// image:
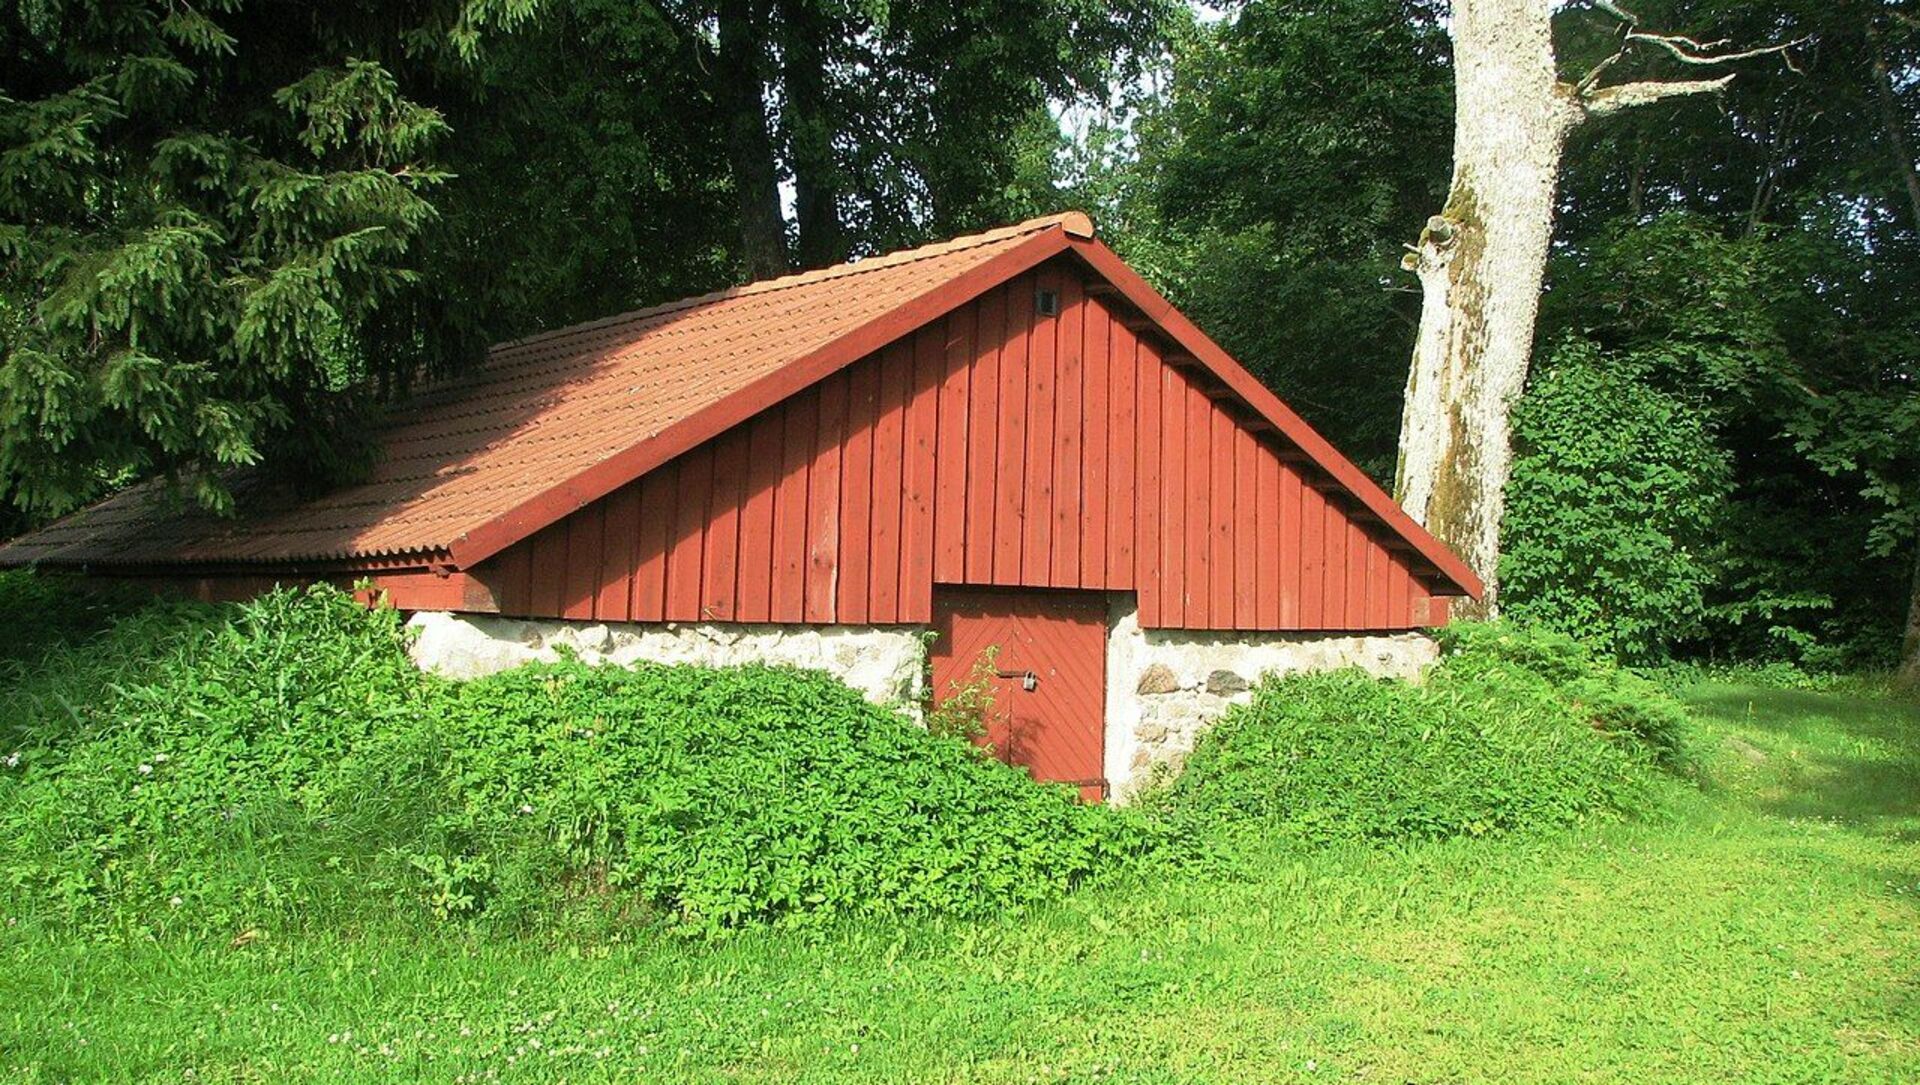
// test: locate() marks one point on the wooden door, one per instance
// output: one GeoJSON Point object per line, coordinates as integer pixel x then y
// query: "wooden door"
{"type": "Point", "coordinates": [1049, 676]}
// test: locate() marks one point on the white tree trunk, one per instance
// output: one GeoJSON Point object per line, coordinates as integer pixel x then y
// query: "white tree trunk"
{"type": "Point", "coordinates": [1481, 263]}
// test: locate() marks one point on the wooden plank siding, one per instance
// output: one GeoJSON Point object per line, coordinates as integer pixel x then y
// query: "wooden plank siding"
{"type": "Point", "coordinates": [996, 446]}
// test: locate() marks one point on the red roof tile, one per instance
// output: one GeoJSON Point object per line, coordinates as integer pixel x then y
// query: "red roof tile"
{"type": "Point", "coordinates": [537, 412]}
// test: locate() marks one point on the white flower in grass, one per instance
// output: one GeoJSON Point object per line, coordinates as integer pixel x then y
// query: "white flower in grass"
{"type": "Point", "coordinates": [13, 759]}
{"type": "Point", "coordinates": [176, 901]}
{"type": "Point", "coordinates": [146, 769]}
{"type": "Point", "coordinates": [526, 808]}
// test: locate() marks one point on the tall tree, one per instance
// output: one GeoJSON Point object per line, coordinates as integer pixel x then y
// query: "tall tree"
{"type": "Point", "coordinates": [892, 122]}
{"type": "Point", "coordinates": [1276, 178]}
{"type": "Point", "coordinates": [210, 232]}
{"type": "Point", "coordinates": [1482, 260]}
{"type": "Point", "coordinates": [1895, 121]}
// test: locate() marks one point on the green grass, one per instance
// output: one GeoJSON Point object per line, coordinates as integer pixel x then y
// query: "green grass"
{"type": "Point", "coordinates": [1765, 928]}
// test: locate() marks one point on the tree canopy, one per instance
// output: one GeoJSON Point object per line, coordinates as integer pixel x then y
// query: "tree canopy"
{"type": "Point", "coordinates": [230, 231]}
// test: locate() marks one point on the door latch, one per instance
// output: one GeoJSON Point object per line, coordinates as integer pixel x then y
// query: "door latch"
{"type": "Point", "coordinates": [1029, 681]}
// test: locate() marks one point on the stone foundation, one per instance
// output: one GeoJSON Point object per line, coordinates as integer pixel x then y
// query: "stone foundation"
{"type": "Point", "coordinates": [1165, 687]}
{"type": "Point", "coordinates": [883, 663]}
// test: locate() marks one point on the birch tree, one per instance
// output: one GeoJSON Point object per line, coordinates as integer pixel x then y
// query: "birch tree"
{"type": "Point", "coordinates": [1482, 259]}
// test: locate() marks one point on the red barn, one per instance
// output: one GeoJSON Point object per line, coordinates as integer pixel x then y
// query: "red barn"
{"type": "Point", "coordinates": [1008, 439]}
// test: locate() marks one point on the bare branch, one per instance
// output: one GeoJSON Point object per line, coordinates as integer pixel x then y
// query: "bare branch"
{"type": "Point", "coordinates": [1626, 96]}
{"type": "Point", "coordinates": [1586, 83]}
{"type": "Point", "coordinates": [1688, 51]}
{"type": "Point", "coordinates": [1596, 101]}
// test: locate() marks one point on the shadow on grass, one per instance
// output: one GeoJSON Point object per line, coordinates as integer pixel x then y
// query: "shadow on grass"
{"type": "Point", "coordinates": [1840, 757]}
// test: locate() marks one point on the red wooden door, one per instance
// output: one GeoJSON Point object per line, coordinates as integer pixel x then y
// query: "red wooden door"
{"type": "Point", "coordinates": [1049, 681]}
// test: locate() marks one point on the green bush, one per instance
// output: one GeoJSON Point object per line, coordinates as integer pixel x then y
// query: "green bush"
{"type": "Point", "coordinates": [750, 793]}
{"type": "Point", "coordinates": [196, 764]}
{"type": "Point", "coordinates": [1616, 509]}
{"type": "Point", "coordinates": [1633, 711]}
{"type": "Point", "coordinates": [1509, 731]}
{"type": "Point", "coordinates": [282, 762]}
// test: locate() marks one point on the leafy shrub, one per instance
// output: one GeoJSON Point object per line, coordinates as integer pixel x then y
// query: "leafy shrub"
{"type": "Point", "coordinates": [1615, 508]}
{"type": "Point", "coordinates": [1510, 731]}
{"type": "Point", "coordinates": [198, 762]}
{"type": "Point", "coordinates": [283, 761]}
{"type": "Point", "coordinates": [1620, 704]}
{"type": "Point", "coordinates": [751, 793]}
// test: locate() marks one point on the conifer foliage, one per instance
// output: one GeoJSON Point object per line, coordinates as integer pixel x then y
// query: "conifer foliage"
{"type": "Point", "coordinates": [210, 219]}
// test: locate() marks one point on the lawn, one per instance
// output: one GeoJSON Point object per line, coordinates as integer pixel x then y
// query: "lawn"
{"type": "Point", "coordinates": [1765, 928]}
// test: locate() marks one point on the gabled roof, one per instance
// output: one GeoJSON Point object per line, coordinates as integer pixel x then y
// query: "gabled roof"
{"type": "Point", "coordinates": [550, 423]}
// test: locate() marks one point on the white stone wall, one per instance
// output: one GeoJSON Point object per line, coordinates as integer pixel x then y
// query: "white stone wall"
{"type": "Point", "coordinates": [883, 663]}
{"type": "Point", "coordinates": [1165, 687]}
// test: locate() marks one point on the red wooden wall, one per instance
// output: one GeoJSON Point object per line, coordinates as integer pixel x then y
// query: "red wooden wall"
{"type": "Point", "coordinates": [995, 446]}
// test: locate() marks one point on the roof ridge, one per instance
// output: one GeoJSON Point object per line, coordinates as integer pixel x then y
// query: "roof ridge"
{"type": "Point", "coordinates": [1076, 223]}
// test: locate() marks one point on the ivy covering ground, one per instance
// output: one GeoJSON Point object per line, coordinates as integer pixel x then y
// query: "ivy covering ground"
{"type": "Point", "coordinates": [175, 769]}
{"type": "Point", "coordinates": [283, 762]}
{"type": "Point", "coordinates": [1513, 730]}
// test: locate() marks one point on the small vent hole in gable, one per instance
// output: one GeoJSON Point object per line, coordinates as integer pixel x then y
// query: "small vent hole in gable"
{"type": "Point", "coordinates": [1046, 302]}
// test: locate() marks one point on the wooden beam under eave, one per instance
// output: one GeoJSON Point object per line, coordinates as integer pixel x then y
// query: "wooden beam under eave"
{"type": "Point", "coordinates": [460, 592]}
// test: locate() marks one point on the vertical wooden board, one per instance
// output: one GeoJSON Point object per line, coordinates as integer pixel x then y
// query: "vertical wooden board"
{"type": "Point", "coordinates": [512, 574]}
{"type": "Point", "coordinates": [790, 509]}
{"type": "Point", "coordinates": [856, 490]}
{"type": "Point", "coordinates": [983, 433]}
{"type": "Point", "coordinates": [1359, 569]}
{"type": "Point", "coordinates": [1385, 574]}
{"type": "Point", "coordinates": [689, 522]}
{"type": "Point", "coordinates": [950, 450]}
{"type": "Point", "coordinates": [550, 570]}
{"type": "Point", "coordinates": [823, 501]}
{"type": "Point", "coordinates": [619, 535]}
{"type": "Point", "coordinates": [1199, 506]}
{"type": "Point", "coordinates": [1379, 581]}
{"type": "Point", "coordinates": [1171, 572]}
{"type": "Point", "coordinates": [1267, 519]}
{"type": "Point", "coordinates": [754, 574]}
{"type": "Point", "coordinates": [1246, 536]}
{"type": "Point", "coordinates": [1069, 436]}
{"type": "Point", "coordinates": [1096, 369]}
{"type": "Point", "coordinates": [889, 452]}
{"type": "Point", "coordinates": [1145, 501]}
{"type": "Point", "coordinates": [1313, 558]}
{"type": "Point", "coordinates": [1220, 494]}
{"type": "Point", "coordinates": [917, 476]}
{"type": "Point", "coordinates": [720, 561]}
{"type": "Point", "coordinates": [1125, 431]}
{"type": "Point", "coordinates": [1353, 576]}
{"type": "Point", "coordinates": [658, 490]}
{"type": "Point", "coordinates": [1010, 466]}
{"type": "Point", "coordinates": [583, 562]}
{"type": "Point", "coordinates": [1043, 394]}
{"type": "Point", "coordinates": [1336, 570]}
{"type": "Point", "coordinates": [1291, 509]}
{"type": "Point", "coordinates": [1401, 592]}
